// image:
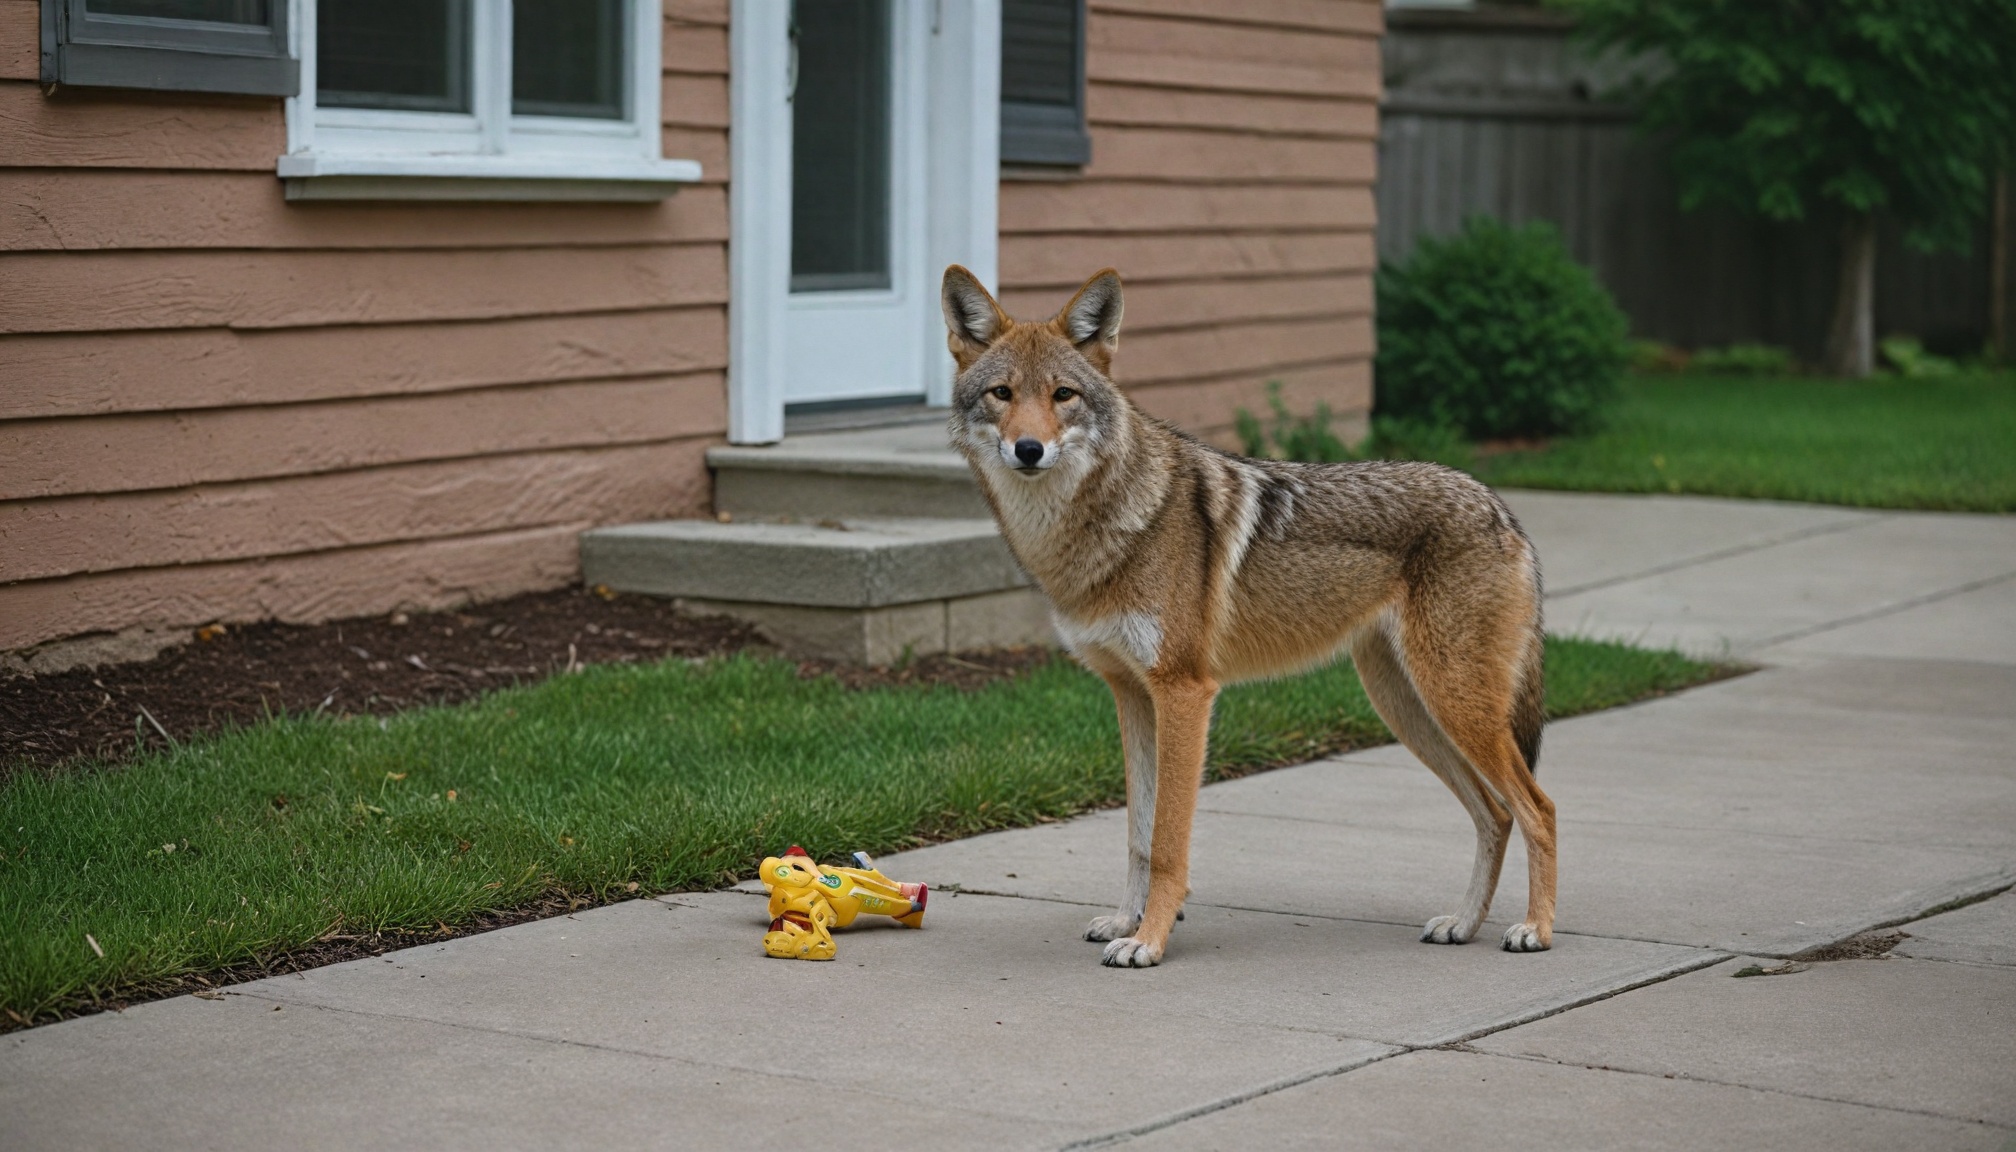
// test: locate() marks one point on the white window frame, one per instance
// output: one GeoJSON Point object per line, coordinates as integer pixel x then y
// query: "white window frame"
{"type": "Point", "coordinates": [486, 153]}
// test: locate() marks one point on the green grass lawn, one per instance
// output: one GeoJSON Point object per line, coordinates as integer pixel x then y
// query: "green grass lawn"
{"type": "Point", "coordinates": [673, 776]}
{"type": "Point", "coordinates": [1947, 443]}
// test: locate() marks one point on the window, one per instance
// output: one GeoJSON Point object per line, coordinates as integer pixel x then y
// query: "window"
{"type": "Point", "coordinates": [478, 99]}
{"type": "Point", "coordinates": [840, 146]}
{"type": "Point", "coordinates": [1043, 82]}
{"type": "Point", "coordinates": [184, 45]}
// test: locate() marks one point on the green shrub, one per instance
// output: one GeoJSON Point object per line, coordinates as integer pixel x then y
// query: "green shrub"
{"type": "Point", "coordinates": [1652, 356]}
{"type": "Point", "coordinates": [1304, 438]}
{"type": "Point", "coordinates": [1309, 440]}
{"type": "Point", "coordinates": [1744, 360]}
{"type": "Point", "coordinates": [1909, 358]}
{"type": "Point", "coordinates": [1498, 332]}
{"type": "Point", "coordinates": [1395, 439]}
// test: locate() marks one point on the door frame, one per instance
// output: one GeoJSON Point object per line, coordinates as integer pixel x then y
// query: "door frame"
{"type": "Point", "coordinates": [962, 176]}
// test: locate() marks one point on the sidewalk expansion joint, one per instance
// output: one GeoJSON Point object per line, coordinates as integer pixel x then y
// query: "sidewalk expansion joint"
{"type": "Point", "coordinates": [1719, 554]}
{"type": "Point", "coordinates": [1534, 1058]}
{"type": "Point", "coordinates": [588, 1045]}
{"type": "Point", "coordinates": [1792, 837]}
{"type": "Point", "coordinates": [1881, 611]}
{"type": "Point", "coordinates": [1657, 975]}
{"type": "Point", "coordinates": [1411, 925]}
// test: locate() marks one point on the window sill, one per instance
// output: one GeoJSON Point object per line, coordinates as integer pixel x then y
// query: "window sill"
{"type": "Point", "coordinates": [436, 177]}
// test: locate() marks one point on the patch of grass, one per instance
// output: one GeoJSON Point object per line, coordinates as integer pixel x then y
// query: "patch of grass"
{"type": "Point", "coordinates": [1939, 442]}
{"type": "Point", "coordinates": [672, 776]}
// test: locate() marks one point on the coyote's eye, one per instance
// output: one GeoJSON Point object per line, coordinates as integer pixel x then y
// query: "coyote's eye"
{"type": "Point", "coordinates": [1062, 394]}
{"type": "Point", "coordinates": [1002, 393]}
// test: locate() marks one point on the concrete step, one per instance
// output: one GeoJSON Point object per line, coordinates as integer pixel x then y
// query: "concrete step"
{"type": "Point", "coordinates": [906, 470]}
{"type": "Point", "coordinates": [860, 589]}
{"type": "Point", "coordinates": [852, 563]}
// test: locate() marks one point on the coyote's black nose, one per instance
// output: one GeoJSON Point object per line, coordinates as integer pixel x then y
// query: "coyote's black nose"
{"type": "Point", "coordinates": [1028, 451]}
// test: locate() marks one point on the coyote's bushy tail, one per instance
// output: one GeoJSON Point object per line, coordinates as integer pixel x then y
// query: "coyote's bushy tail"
{"type": "Point", "coordinates": [1529, 713]}
{"type": "Point", "coordinates": [1529, 706]}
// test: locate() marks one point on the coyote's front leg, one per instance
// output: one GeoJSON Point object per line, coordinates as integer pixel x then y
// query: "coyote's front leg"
{"type": "Point", "coordinates": [1182, 725]}
{"type": "Point", "coordinates": [1137, 744]}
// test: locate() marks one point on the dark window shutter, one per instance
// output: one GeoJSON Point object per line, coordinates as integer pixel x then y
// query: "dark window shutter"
{"type": "Point", "coordinates": [178, 45]}
{"type": "Point", "coordinates": [1043, 82]}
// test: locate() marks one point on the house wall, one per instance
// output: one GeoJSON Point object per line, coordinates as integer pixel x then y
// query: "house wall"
{"type": "Point", "coordinates": [1233, 156]}
{"type": "Point", "coordinates": [217, 405]}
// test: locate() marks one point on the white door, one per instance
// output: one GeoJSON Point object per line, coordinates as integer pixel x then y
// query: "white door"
{"type": "Point", "coordinates": [858, 279]}
{"type": "Point", "coordinates": [864, 140]}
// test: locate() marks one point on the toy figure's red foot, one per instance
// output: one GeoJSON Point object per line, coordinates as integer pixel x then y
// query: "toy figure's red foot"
{"type": "Point", "coordinates": [918, 895]}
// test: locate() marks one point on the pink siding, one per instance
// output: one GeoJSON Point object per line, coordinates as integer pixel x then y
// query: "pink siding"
{"type": "Point", "coordinates": [1234, 144]}
{"type": "Point", "coordinates": [216, 405]}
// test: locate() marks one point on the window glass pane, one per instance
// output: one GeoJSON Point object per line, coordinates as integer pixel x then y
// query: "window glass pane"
{"type": "Point", "coordinates": [840, 146]}
{"type": "Point", "coordinates": [567, 58]}
{"type": "Point", "coordinates": [410, 54]}
{"type": "Point", "coordinates": [220, 11]}
{"type": "Point", "coordinates": [1039, 52]}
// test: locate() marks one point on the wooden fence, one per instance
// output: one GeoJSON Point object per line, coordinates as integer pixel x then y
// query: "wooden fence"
{"type": "Point", "coordinates": [1491, 111]}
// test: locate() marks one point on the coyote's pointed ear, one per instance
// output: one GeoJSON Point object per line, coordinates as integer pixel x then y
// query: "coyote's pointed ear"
{"type": "Point", "coordinates": [1092, 319]}
{"type": "Point", "coordinates": [973, 321]}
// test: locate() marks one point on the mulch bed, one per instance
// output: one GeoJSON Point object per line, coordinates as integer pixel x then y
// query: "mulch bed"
{"type": "Point", "coordinates": [378, 665]}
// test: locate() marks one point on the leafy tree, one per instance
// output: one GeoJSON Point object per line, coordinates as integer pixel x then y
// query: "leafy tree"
{"type": "Point", "coordinates": [1897, 108]}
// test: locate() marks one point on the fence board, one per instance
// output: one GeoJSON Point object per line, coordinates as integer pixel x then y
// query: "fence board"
{"type": "Point", "coordinates": [1523, 149]}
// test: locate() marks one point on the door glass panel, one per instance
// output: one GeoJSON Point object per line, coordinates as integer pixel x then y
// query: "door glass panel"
{"type": "Point", "coordinates": [840, 146]}
{"type": "Point", "coordinates": [220, 11]}
{"type": "Point", "coordinates": [567, 58]}
{"type": "Point", "coordinates": [406, 54]}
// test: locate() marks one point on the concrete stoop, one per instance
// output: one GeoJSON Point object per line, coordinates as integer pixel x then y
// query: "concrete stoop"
{"type": "Point", "coordinates": [861, 546]}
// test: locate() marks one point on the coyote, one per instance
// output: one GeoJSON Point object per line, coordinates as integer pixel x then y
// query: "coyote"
{"type": "Point", "coordinates": [1175, 568]}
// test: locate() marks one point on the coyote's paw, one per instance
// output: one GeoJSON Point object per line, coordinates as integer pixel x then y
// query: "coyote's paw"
{"type": "Point", "coordinates": [1447, 930]}
{"type": "Point", "coordinates": [1112, 927]}
{"type": "Point", "coordinates": [1131, 952]}
{"type": "Point", "coordinates": [1526, 938]}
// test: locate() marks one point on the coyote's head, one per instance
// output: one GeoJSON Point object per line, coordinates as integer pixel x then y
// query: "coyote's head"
{"type": "Point", "coordinates": [1032, 396]}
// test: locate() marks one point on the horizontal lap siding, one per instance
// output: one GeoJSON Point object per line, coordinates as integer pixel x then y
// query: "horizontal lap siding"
{"type": "Point", "coordinates": [216, 405]}
{"type": "Point", "coordinates": [1234, 147]}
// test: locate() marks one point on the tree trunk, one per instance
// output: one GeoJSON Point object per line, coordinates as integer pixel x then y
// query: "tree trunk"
{"type": "Point", "coordinates": [2001, 274]}
{"type": "Point", "coordinates": [1851, 341]}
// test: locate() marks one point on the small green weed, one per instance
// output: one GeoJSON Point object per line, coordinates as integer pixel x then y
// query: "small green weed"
{"type": "Point", "coordinates": [1743, 360]}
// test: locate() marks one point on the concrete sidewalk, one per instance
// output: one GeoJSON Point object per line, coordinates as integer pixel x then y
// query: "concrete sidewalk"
{"type": "Point", "coordinates": [1862, 779]}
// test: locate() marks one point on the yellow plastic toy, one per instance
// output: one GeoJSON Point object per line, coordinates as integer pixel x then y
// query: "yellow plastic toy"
{"type": "Point", "coordinates": [808, 900]}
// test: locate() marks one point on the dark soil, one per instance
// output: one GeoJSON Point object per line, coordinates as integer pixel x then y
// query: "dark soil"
{"type": "Point", "coordinates": [378, 665]}
{"type": "Point", "coordinates": [1867, 946]}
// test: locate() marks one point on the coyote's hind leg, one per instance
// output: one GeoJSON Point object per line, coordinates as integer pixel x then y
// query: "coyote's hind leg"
{"type": "Point", "coordinates": [1400, 706]}
{"type": "Point", "coordinates": [1470, 693]}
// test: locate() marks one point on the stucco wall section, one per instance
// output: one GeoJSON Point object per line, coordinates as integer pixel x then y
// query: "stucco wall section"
{"type": "Point", "coordinates": [1234, 147]}
{"type": "Point", "coordinates": [216, 405]}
